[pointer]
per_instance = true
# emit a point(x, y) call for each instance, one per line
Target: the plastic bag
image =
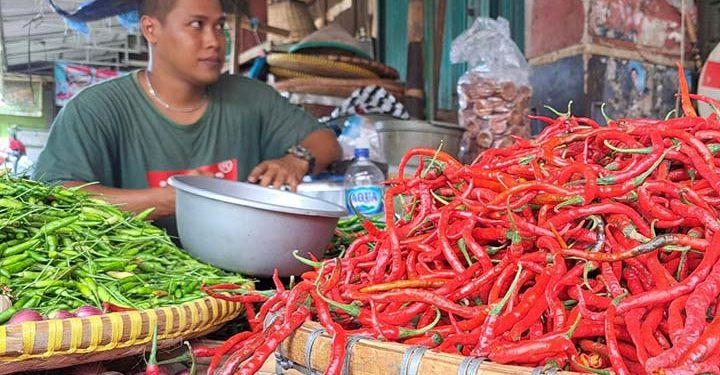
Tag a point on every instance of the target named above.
point(357, 127)
point(495, 93)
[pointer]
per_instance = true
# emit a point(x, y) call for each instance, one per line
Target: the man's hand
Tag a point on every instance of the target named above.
point(134, 200)
point(288, 170)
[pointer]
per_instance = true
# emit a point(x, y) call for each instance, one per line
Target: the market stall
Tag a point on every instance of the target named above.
point(507, 241)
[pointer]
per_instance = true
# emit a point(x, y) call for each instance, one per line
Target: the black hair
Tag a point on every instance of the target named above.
point(156, 8)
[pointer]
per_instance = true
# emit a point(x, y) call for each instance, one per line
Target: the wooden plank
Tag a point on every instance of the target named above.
point(236, 40)
point(438, 49)
point(247, 25)
point(414, 89)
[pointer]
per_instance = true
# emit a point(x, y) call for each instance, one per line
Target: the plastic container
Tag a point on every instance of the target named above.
point(363, 183)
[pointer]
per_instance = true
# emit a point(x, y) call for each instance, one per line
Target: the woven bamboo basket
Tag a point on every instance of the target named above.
point(52, 344)
point(318, 66)
point(291, 15)
point(309, 348)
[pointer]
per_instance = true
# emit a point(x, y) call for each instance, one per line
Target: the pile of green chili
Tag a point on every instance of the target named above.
point(348, 230)
point(61, 249)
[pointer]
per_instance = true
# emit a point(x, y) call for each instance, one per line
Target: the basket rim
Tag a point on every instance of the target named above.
point(104, 333)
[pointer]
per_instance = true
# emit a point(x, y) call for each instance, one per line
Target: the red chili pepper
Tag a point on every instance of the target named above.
point(616, 359)
point(229, 344)
point(109, 307)
point(652, 245)
point(647, 329)
point(685, 93)
point(152, 367)
point(339, 337)
point(685, 286)
point(400, 284)
point(269, 343)
point(250, 297)
point(675, 318)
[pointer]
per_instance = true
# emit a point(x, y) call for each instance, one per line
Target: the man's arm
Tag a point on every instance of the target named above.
point(323, 145)
point(133, 200)
point(289, 169)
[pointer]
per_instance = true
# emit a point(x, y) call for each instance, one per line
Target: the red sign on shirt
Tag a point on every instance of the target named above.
point(227, 170)
point(712, 74)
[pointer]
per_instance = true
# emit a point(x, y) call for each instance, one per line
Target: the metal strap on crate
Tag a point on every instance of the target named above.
point(470, 365)
point(411, 360)
point(282, 363)
point(309, 348)
point(352, 340)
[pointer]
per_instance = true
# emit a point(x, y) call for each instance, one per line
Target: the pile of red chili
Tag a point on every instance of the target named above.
point(590, 248)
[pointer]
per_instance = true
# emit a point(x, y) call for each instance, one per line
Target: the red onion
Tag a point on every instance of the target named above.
point(25, 315)
point(61, 314)
point(84, 311)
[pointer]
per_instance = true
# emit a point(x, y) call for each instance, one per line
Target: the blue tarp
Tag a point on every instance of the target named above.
point(125, 10)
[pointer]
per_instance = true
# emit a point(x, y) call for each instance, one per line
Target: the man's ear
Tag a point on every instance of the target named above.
point(149, 27)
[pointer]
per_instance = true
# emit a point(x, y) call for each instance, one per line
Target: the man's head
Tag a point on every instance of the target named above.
point(186, 37)
point(156, 8)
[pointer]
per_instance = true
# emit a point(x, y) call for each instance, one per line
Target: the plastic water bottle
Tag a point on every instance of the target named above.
point(363, 183)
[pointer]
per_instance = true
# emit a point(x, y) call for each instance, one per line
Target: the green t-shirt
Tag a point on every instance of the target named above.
point(111, 133)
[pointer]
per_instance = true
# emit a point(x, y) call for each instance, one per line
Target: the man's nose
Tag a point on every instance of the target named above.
point(214, 38)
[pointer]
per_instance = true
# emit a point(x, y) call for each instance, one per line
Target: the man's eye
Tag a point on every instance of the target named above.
point(196, 24)
point(220, 26)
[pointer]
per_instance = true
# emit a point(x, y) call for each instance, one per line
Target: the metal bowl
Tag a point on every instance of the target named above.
point(251, 229)
point(398, 136)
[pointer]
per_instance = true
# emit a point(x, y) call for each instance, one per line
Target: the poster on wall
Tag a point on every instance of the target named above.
point(71, 78)
point(20, 97)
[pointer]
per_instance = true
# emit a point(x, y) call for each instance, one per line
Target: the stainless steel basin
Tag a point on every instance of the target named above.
point(398, 136)
point(251, 229)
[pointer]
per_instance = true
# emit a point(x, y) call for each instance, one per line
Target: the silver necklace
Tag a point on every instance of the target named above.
point(167, 106)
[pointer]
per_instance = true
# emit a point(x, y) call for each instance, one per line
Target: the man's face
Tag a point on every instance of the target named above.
point(192, 40)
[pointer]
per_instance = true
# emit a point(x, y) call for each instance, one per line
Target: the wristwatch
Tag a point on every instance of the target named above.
point(303, 153)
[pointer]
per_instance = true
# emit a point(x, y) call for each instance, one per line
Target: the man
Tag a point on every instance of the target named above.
point(181, 116)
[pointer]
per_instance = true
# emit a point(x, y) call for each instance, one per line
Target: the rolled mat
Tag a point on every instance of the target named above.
point(384, 71)
point(318, 66)
point(337, 87)
point(285, 74)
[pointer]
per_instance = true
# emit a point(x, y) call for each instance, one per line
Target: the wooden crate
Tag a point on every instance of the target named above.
point(371, 357)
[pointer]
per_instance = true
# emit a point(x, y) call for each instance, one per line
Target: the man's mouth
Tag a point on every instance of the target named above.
point(212, 61)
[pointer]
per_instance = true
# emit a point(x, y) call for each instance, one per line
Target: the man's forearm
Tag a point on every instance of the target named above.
point(324, 147)
point(134, 200)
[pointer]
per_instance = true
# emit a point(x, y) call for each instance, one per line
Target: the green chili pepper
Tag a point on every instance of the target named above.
point(38, 257)
point(19, 266)
point(11, 203)
point(19, 248)
point(52, 226)
point(48, 283)
point(7, 314)
point(13, 259)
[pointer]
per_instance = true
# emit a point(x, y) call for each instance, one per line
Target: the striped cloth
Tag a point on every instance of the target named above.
point(366, 100)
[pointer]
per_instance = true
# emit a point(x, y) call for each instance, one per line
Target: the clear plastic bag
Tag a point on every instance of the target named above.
point(495, 93)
